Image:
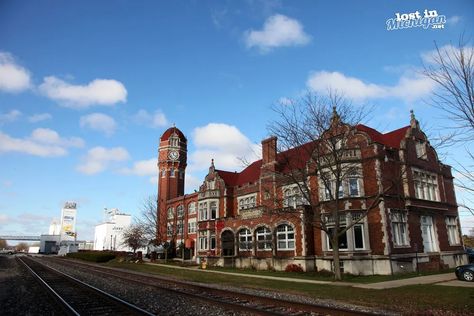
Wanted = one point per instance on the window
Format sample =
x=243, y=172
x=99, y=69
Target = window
x=192, y=208
x=203, y=211
x=172, y=172
x=358, y=231
x=163, y=173
x=246, y=202
x=203, y=244
x=399, y=228
x=421, y=150
x=264, y=238
x=245, y=239
x=180, y=228
x=174, y=141
x=169, y=229
x=292, y=197
x=213, y=241
x=191, y=227
x=170, y=213
x=213, y=207
x=181, y=174
x=180, y=211
x=342, y=240
x=285, y=237
x=426, y=185
x=452, y=228
x=353, y=186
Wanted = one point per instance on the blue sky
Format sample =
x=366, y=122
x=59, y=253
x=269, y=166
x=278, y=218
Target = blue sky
x=88, y=87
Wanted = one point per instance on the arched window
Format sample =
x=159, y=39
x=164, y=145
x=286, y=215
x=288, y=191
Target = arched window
x=180, y=211
x=285, y=237
x=170, y=212
x=163, y=173
x=245, y=239
x=192, y=208
x=264, y=238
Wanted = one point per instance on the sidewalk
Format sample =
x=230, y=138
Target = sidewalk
x=442, y=279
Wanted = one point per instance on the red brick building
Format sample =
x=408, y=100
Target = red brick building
x=233, y=219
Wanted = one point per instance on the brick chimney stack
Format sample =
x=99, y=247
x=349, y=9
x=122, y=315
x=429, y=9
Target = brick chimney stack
x=269, y=150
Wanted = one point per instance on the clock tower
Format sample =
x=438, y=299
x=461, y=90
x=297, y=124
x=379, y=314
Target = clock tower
x=172, y=155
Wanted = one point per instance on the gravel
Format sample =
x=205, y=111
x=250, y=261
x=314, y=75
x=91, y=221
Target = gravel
x=20, y=293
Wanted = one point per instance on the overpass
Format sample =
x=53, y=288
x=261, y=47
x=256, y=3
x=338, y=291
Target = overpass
x=28, y=238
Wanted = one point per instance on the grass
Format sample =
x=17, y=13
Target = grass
x=323, y=276
x=417, y=299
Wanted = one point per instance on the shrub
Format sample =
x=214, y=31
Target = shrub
x=92, y=256
x=292, y=267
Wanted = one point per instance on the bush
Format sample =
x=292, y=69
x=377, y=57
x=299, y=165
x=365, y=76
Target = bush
x=92, y=256
x=292, y=267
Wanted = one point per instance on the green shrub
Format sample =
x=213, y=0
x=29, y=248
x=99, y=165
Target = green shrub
x=94, y=256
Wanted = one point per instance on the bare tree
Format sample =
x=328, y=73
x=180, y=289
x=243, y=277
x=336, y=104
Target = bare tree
x=134, y=237
x=452, y=69
x=22, y=247
x=317, y=143
x=3, y=244
x=149, y=219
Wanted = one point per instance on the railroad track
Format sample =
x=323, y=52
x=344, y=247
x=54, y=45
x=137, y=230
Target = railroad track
x=228, y=299
x=77, y=297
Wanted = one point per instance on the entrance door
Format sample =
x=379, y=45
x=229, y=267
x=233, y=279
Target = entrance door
x=427, y=232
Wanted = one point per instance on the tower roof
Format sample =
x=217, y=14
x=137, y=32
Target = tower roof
x=173, y=131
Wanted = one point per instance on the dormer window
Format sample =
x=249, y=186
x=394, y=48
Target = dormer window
x=421, y=150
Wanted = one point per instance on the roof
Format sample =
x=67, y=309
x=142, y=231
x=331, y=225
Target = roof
x=295, y=156
x=391, y=139
x=170, y=131
x=249, y=174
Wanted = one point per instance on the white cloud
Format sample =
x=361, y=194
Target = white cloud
x=43, y=142
x=454, y=20
x=10, y=116
x=446, y=51
x=278, y=31
x=154, y=120
x=285, y=101
x=409, y=87
x=97, y=92
x=35, y=118
x=99, y=159
x=99, y=122
x=13, y=77
x=223, y=143
x=142, y=168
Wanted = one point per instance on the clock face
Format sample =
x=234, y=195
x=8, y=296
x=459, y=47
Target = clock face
x=173, y=155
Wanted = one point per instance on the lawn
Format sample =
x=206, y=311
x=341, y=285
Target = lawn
x=417, y=299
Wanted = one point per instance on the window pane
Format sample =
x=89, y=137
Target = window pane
x=358, y=237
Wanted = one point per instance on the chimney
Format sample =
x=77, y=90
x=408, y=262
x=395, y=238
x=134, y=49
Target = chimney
x=269, y=150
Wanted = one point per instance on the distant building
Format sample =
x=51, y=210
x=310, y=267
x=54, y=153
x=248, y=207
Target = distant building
x=108, y=235
x=55, y=227
x=68, y=221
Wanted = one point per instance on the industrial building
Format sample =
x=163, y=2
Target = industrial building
x=108, y=235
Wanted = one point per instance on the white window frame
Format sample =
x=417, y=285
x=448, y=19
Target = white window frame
x=266, y=242
x=203, y=211
x=170, y=213
x=420, y=148
x=247, y=201
x=425, y=185
x=180, y=211
x=192, y=208
x=204, y=240
x=344, y=190
x=399, y=227
x=452, y=230
x=283, y=237
x=192, y=226
x=169, y=229
x=247, y=235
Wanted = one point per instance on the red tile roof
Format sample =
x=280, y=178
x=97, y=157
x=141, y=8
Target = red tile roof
x=391, y=139
x=295, y=156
